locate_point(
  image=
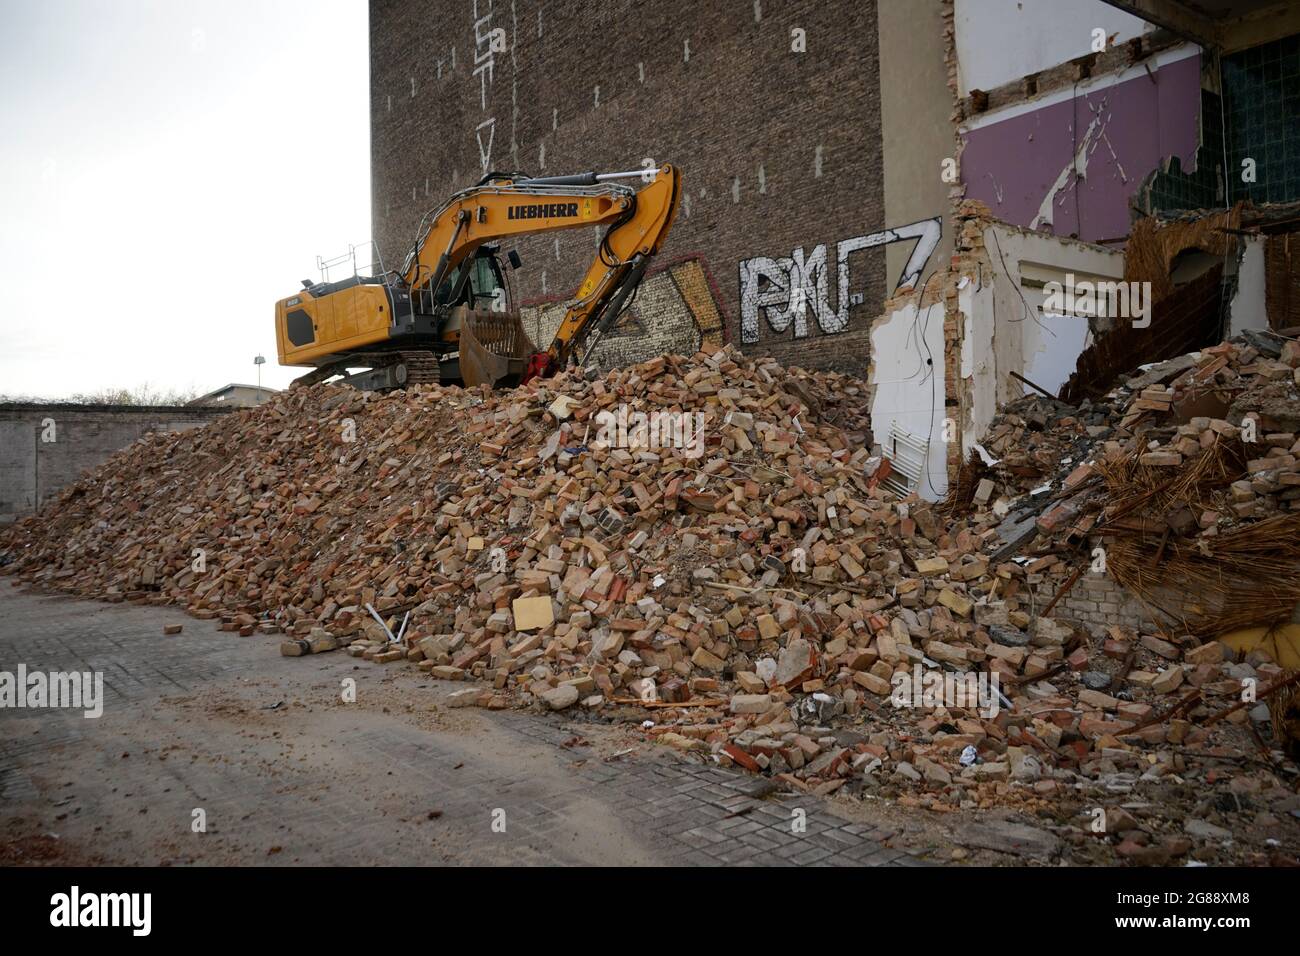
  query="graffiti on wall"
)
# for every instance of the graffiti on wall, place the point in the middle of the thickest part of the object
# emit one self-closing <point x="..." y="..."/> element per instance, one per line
<point x="789" y="291"/>
<point x="488" y="41"/>
<point x="675" y="312"/>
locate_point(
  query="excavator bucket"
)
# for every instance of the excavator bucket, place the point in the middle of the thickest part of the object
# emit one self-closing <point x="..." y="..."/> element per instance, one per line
<point x="494" y="348"/>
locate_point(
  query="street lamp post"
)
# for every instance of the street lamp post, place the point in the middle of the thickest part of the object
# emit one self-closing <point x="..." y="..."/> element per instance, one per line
<point x="259" y="361"/>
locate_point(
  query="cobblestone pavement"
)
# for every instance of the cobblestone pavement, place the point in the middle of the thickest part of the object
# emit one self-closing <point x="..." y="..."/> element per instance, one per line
<point x="207" y="727"/>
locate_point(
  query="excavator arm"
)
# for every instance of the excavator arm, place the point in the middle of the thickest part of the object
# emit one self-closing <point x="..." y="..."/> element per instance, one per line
<point x="503" y="206"/>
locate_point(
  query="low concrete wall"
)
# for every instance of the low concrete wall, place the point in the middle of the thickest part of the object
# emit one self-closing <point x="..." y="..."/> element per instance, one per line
<point x="44" y="447"/>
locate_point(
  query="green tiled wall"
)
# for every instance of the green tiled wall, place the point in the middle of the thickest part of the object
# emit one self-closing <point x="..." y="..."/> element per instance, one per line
<point x="1176" y="189"/>
<point x="1263" y="87"/>
<point x="1262" y="90"/>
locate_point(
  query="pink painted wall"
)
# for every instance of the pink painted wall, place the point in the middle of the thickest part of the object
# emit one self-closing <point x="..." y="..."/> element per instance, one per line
<point x="1129" y="129"/>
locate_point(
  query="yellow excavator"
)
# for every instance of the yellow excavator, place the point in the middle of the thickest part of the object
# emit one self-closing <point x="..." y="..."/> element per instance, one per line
<point x="445" y="316"/>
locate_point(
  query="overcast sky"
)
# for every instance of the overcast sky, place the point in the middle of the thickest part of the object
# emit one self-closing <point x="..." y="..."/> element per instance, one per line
<point x="167" y="171"/>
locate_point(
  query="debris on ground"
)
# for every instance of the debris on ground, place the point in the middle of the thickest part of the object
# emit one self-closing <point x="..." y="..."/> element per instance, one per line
<point x="701" y="548"/>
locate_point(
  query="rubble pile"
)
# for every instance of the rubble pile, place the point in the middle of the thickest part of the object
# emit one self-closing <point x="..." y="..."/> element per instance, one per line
<point x="1032" y="439"/>
<point x="743" y="589"/>
<point x="328" y="499"/>
<point x="1194" y="486"/>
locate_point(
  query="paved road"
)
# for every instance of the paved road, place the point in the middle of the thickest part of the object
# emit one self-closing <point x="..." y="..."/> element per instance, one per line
<point x="209" y="727"/>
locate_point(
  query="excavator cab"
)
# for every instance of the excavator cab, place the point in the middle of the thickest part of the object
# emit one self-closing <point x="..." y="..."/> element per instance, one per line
<point x="478" y="282"/>
<point x="492" y="347"/>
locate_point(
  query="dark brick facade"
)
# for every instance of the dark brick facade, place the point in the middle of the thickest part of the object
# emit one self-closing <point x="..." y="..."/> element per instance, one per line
<point x="603" y="84"/>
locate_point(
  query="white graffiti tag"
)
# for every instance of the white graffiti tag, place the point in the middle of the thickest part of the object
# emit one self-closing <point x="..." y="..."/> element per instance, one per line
<point x="785" y="290"/>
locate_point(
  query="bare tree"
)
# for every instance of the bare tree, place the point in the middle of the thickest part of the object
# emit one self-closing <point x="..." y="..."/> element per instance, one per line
<point x="144" y="394"/>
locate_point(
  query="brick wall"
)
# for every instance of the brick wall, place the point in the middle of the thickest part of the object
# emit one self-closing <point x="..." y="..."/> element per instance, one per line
<point x="1097" y="602"/>
<point x="44" y="447"/>
<point x="780" y="150"/>
<point x="675" y="310"/>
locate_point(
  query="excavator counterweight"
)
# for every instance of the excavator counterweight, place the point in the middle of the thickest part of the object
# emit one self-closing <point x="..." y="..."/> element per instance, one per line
<point x="445" y="315"/>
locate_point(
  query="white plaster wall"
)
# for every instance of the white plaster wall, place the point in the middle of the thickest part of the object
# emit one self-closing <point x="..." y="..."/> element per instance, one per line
<point x="909" y="389"/>
<point x="1051" y="349"/>
<point x="978" y="359"/>
<point x="1247" y="309"/>
<point x="1043" y="350"/>
<point x="1002" y="40"/>
<point x="1003" y="330"/>
<point x="1041" y="347"/>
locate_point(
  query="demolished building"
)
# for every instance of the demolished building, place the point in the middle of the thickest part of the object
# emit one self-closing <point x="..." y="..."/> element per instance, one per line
<point x="1032" y="559"/>
<point x="763" y="599"/>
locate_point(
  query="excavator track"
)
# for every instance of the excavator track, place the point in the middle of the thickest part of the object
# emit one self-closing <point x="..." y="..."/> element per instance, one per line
<point x="318" y="375"/>
<point x="388" y="370"/>
<point x="421" y="368"/>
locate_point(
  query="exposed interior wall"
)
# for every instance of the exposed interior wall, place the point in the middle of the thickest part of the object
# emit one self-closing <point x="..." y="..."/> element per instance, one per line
<point x="1054" y="343"/>
<point x="1003" y="40"/>
<point x="1058" y="133"/>
<point x="1054" y="141"/>
<point x="1071" y="160"/>
<point x="916" y="127"/>
<point x="1248" y="307"/>
<point x="1041" y="345"/>
<point x="942" y="358"/>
